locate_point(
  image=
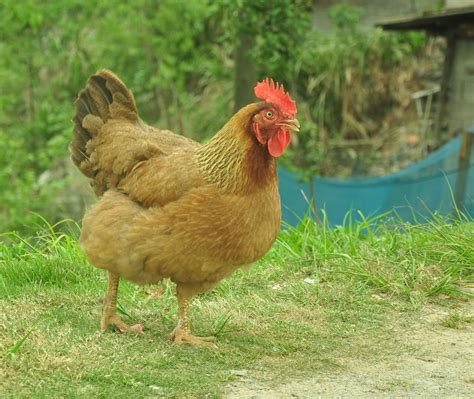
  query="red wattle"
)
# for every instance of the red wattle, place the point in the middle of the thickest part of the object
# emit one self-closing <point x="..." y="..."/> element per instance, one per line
<point x="278" y="142"/>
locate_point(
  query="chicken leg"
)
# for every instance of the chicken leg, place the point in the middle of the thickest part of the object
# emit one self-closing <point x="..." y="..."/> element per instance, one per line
<point x="109" y="312"/>
<point x="182" y="333"/>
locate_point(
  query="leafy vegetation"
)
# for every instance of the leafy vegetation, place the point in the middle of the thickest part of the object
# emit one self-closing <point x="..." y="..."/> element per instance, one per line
<point x="351" y="81"/>
<point x="182" y="78"/>
<point x="319" y="298"/>
<point x="50" y="48"/>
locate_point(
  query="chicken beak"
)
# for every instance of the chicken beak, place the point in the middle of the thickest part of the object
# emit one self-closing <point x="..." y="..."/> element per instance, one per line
<point x="291" y="124"/>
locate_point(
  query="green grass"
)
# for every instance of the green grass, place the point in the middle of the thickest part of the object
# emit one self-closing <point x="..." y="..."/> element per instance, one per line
<point x="320" y="296"/>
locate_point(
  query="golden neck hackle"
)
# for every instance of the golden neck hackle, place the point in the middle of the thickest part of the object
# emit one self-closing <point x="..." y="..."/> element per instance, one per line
<point x="233" y="159"/>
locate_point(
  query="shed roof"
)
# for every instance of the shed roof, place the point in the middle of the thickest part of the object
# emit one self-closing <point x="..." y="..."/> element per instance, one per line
<point x="433" y="21"/>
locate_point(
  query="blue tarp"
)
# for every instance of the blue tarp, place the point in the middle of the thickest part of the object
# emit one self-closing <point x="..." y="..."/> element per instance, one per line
<point x="425" y="187"/>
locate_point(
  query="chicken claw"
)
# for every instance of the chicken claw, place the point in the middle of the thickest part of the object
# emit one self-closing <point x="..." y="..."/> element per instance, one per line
<point x="180" y="336"/>
<point x="119" y="324"/>
<point x="182" y="332"/>
<point x="109" y="313"/>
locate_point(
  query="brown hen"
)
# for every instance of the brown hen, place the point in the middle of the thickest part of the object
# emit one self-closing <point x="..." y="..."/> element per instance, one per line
<point x="170" y="207"/>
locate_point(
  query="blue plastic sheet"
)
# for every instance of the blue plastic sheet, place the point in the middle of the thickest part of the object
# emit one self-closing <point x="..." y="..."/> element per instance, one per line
<point x="414" y="192"/>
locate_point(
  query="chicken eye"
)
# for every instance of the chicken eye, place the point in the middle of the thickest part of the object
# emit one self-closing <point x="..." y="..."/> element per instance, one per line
<point x="269" y="114"/>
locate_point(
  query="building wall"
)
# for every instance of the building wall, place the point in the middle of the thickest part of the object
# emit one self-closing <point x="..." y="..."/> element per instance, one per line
<point x="459" y="3"/>
<point x="460" y="107"/>
<point x="373" y="10"/>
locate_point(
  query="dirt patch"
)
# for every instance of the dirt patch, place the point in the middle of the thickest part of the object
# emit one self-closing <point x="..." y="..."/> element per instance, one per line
<point x="439" y="363"/>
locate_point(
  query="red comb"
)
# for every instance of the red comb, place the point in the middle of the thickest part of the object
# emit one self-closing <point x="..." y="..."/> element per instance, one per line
<point x="268" y="90"/>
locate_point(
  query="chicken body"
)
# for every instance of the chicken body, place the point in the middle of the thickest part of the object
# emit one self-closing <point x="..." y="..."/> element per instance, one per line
<point x="195" y="240"/>
<point x="170" y="207"/>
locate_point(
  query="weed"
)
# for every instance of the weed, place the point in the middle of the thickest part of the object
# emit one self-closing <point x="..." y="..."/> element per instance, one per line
<point x="457" y="319"/>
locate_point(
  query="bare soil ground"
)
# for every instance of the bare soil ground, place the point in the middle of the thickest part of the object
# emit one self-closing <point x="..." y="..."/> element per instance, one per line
<point x="436" y="361"/>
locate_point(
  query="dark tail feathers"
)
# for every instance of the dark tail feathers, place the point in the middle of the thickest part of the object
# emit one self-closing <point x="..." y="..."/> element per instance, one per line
<point x="104" y="97"/>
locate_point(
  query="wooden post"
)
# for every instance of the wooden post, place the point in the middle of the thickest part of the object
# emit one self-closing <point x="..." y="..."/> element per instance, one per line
<point x="245" y="71"/>
<point x="463" y="175"/>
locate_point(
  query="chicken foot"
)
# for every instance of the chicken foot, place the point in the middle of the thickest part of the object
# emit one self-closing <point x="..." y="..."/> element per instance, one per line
<point x="182" y="333"/>
<point x="109" y="312"/>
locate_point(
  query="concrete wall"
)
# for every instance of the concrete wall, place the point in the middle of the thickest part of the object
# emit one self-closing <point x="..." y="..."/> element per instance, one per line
<point x="459" y="3"/>
<point x="373" y="10"/>
<point x="460" y="107"/>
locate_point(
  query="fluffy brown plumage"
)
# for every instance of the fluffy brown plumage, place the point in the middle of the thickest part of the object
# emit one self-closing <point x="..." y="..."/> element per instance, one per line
<point x="170" y="207"/>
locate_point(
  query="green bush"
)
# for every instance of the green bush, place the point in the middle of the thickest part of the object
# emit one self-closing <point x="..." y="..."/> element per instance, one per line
<point x="178" y="57"/>
<point x="164" y="51"/>
<point x="347" y="81"/>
